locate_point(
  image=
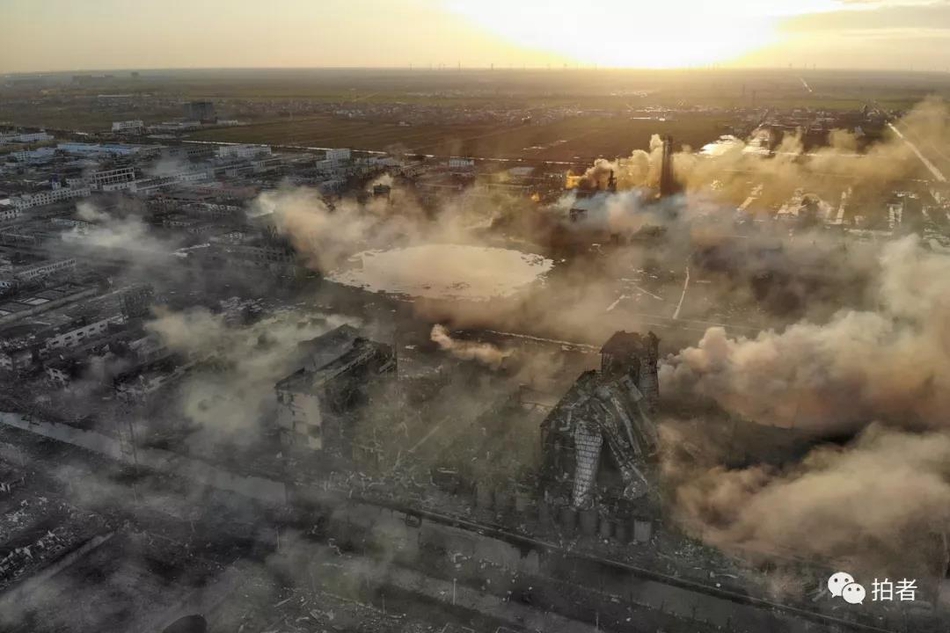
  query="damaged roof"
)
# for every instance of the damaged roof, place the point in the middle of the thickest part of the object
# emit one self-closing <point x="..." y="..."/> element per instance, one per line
<point x="597" y="411"/>
<point x="326" y="348"/>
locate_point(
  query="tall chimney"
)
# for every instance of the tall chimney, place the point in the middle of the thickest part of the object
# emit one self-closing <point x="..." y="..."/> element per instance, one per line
<point x="667" y="183"/>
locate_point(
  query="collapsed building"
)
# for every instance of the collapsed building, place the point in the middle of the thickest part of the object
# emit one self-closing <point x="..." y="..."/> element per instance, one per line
<point x="318" y="403"/>
<point x="612" y="407"/>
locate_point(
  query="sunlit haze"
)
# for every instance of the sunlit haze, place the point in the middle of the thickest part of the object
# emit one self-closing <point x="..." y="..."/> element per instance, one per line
<point x="109" y="34"/>
<point x="475" y="316"/>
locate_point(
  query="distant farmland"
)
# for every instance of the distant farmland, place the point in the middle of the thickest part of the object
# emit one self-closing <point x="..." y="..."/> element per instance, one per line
<point x="569" y="139"/>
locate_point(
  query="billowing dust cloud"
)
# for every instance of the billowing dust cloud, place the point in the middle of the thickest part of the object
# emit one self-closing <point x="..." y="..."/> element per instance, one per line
<point x="878" y="371"/>
<point x="891" y="364"/>
<point x="327" y="236"/>
<point x="879" y="503"/>
<point x="872" y="173"/>
<point x="228" y="402"/>
<point x="877" y="506"/>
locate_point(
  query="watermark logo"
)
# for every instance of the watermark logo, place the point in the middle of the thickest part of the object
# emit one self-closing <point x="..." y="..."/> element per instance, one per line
<point x="842" y="585"/>
<point x="885" y="590"/>
<point x="854" y="593"/>
<point x="838" y="582"/>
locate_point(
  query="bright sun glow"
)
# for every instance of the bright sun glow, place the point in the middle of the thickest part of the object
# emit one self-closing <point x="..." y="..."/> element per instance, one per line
<point x="654" y="34"/>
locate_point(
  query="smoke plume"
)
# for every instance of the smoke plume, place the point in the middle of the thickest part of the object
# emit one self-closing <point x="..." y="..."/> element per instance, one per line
<point x="878" y="504"/>
<point x="890" y="364"/>
<point x="485" y="353"/>
<point x="232" y="399"/>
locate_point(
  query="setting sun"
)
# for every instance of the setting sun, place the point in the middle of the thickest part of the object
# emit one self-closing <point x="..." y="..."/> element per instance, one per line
<point x="670" y="34"/>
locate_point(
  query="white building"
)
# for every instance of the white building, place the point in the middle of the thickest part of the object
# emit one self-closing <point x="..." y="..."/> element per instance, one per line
<point x="108" y="180"/>
<point x="338" y="154"/>
<point x="200" y="175"/>
<point x="154" y="184"/>
<point x="175" y="126"/>
<point x="30" y="200"/>
<point x="42" y="270"/>
<point x="461" y="163"/>
<point x="25" y="137"/>
<point x="92" y="149"/>
<point x="242" y="151"/>
<point x="75" y="336"/>
<point x="381" y="161"/>
<point x="73" y="223"/>
<point x="41" y="155"/>
<point x="128" y="127"/>
<point x="8" y="213"/>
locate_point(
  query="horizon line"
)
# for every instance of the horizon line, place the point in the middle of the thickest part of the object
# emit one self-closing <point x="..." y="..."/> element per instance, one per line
<point x="440" y="68"/>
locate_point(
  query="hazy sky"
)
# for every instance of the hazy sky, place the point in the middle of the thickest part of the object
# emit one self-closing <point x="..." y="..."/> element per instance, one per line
<point x="110" y="34"/>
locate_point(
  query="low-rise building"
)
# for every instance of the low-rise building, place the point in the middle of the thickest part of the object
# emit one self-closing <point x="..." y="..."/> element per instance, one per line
<point x="30" y="200"/>
<point x="338" y="154"/>
<point x="8" y="212"/>
<point x="72" y="336"/>
<point x="16" y="360"/>
<point x="242" y="151"/>
<point x="461" y="163"/>
<point x="112" y="179"/>
<point x="128" y="127"/>
<point x="262" y="255"/>
<point x="34" y="156"/>
<point x="32" y="273"/>
<point x="87" y="149"/>
<point x="25" y="137"/>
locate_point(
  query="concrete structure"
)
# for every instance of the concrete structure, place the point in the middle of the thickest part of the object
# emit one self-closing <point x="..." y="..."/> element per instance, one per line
<point x="16" y="360"/>
<point x="93" y="149"/>
<point x="638" y="356"/>
<point x="202" y="111"/>
<point x="30" y="200"/>
<point x="33" y="273"/>
<point x="154" y="184"/>
<point x="128" y="127"/>
<point x="112" y="179"/>
<point x="338" y="154"/>
<point x="604" y="409"/>
<point x="262" y="255"/>
<point x="668" y="185"/>
<point x="8" y="213"/>
<point x="243" y="151"/>
<point x="24" y="137"/>
<point x="77" y="335"/>
<point x="35" y="156"/>
<point x="315" y="404"/>
<point x="62" y="372"/>
<point x="461" y="163"/>
<point x="175" y="126"/>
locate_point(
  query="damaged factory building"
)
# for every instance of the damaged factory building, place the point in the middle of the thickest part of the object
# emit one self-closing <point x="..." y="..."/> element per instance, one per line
<point x="317" y="404"/>
<point x="607" y="409"/>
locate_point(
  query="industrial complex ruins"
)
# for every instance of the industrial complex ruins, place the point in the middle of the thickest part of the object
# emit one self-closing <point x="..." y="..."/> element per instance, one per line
<point x="254" y="387"/>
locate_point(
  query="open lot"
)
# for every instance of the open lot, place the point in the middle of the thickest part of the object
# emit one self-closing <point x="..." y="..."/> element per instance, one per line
<point x="578" y="112"/>
<point x="569" y="139"/>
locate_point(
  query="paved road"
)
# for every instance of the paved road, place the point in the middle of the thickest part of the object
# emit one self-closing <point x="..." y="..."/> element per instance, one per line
<point x="929" y="165"/>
